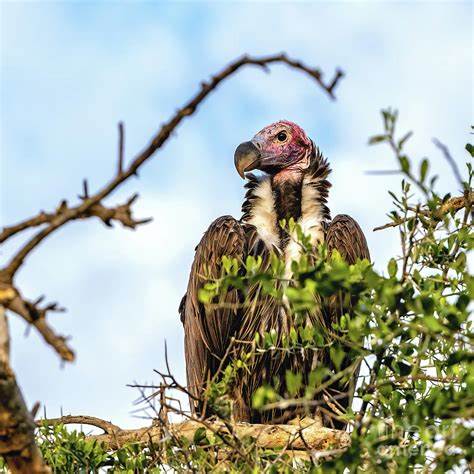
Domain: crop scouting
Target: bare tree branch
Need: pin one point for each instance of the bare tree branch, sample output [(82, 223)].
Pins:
[(91, 205), (107, 426), (35, 315), (157, 142), (121, 213)]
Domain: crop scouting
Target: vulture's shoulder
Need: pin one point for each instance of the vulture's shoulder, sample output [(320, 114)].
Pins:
[(344, 234), (226, 236)]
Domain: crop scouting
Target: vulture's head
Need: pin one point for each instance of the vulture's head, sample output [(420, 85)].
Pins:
[(281, 149)]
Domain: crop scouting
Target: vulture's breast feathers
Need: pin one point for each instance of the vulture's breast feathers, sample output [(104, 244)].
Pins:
[(268, 201)]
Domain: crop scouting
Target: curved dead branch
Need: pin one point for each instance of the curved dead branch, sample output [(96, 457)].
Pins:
[(157, 142), (107, 426)]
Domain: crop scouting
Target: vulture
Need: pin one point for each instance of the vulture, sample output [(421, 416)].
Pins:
[(293, 183)]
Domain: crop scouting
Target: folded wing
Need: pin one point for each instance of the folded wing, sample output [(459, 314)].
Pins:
[(344, 235), (208, 328)]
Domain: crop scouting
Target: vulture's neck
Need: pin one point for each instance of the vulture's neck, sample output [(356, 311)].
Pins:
[(271, 199)]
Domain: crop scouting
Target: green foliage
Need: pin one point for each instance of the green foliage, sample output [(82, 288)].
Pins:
[(67, 451)]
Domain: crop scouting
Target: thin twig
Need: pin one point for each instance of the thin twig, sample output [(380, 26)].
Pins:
[(450, 160), (120, 148)]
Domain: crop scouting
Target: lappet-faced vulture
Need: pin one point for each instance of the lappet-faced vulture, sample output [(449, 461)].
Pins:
[(294, 184)]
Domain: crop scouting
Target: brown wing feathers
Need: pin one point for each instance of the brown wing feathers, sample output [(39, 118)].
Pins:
[(344, 235), (207, 329)]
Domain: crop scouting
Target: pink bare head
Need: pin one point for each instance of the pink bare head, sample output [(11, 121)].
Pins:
[(281, 146)]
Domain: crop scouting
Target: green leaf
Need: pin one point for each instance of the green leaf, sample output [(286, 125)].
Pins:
[(226, 263), (404, 163), (200, 436), (424, 169), (293, 336), (262, 396), (392, 268), (432, 324), (470, 149), (377, 139), (337, 354), (293, 382)]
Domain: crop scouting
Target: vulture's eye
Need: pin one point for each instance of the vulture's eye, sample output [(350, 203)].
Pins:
[(282, 136)]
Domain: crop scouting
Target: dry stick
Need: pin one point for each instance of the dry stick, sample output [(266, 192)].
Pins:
[(120, 213), (238, 446), (266, 436), (165, 406), (36, 316), (121, 148), (163, 425), (85, 189), (41, 218), (449, 159)]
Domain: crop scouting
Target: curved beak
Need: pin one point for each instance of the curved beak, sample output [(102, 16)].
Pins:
[(246, 158)]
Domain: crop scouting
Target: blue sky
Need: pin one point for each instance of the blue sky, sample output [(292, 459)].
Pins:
[(71, 71)]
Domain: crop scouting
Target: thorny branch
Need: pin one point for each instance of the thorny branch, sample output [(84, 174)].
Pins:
[(121, 213), (453, 204)]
